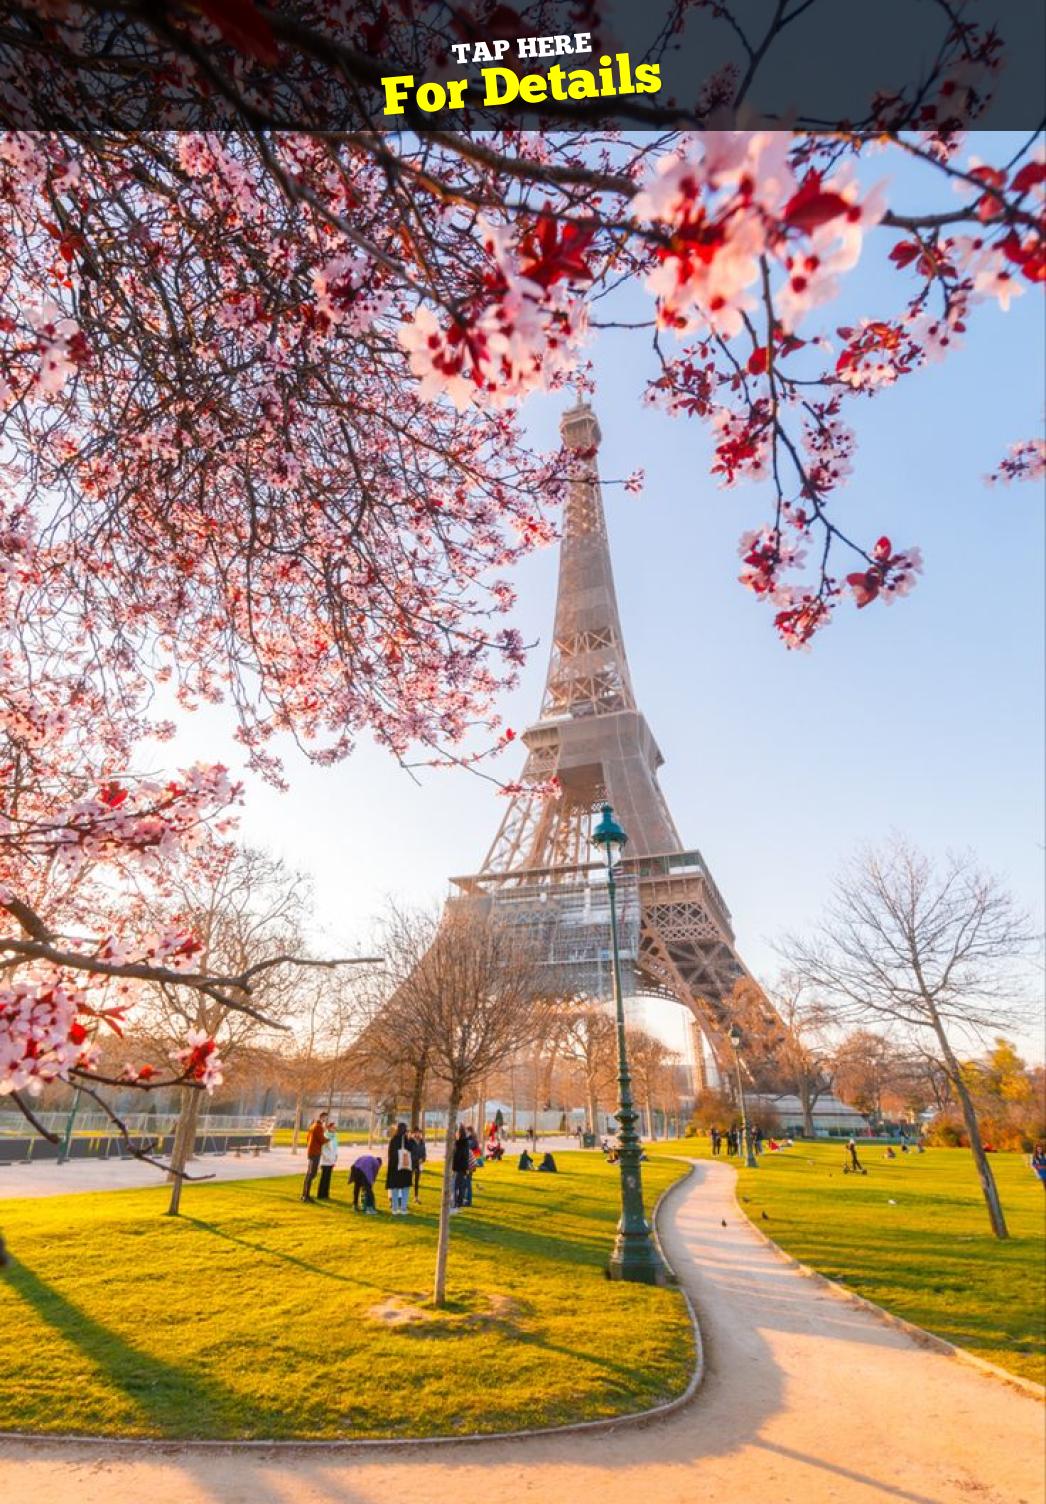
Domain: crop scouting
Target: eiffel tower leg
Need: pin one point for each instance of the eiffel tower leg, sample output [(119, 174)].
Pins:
[(635, 1256)]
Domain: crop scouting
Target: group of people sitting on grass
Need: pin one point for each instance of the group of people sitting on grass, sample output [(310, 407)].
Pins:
[(548, 1164)]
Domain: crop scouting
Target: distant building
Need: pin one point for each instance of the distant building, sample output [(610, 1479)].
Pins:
[(831, 1118)]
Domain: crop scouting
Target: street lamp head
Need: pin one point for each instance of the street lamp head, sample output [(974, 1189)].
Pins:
[(608, 833), (736, 1037)]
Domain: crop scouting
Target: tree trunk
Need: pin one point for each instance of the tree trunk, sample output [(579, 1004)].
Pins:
[(980, 1159), (648, 1109), (807, 1106), (417, 1095), (184, 1142), (593, 1108), (439, 1289), (481, 1112), (299, 1103)]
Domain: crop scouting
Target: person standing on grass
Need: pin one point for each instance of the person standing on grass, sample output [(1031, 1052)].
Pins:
[(399, 1170), (313, 1151), (328, 1159), (362, 1176), (459, 1165), (418, 1155), (716, 1138), (1038, 1162), (851, 1149)]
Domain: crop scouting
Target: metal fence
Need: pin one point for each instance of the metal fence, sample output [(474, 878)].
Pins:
[(94, 1136), (139, 1124)]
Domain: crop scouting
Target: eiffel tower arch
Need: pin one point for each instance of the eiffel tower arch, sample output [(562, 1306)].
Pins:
[(676, 936)]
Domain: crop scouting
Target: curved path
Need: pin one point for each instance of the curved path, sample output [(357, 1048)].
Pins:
[(807, 1398)]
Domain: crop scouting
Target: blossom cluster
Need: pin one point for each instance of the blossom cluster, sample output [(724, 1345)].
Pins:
[(521, 331)]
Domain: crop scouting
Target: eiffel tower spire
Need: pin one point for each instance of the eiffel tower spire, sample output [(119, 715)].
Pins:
[(588, 670), (677, 938)]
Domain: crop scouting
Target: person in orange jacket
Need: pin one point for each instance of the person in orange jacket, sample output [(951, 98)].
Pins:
[(313, 1149)]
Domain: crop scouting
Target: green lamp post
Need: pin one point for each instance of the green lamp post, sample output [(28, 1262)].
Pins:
[(634, 1256), (67, 1137), (746, 1135)]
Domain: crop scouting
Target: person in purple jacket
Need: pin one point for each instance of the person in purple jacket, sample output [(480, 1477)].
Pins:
[(362, 1176)]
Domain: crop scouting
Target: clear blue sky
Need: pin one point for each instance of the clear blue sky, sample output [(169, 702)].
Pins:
[(924, 718)]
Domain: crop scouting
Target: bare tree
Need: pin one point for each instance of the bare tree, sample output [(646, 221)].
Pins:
[(392, 1052), (925, 948), (805, 1054), (651, 1061), (587, 1041), (325, 1012), (866, 1066), (248, 905), (476, 994)]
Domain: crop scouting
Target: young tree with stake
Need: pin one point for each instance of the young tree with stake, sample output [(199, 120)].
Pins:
[(478, 993), (927, 949)]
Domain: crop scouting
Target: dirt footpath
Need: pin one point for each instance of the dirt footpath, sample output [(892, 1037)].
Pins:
[(807, 1398)]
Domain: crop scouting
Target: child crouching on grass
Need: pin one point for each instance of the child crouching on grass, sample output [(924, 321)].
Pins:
[(362, 1176)]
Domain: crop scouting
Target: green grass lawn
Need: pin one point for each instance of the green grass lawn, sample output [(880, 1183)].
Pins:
[(913, 1236), (255, 1316)]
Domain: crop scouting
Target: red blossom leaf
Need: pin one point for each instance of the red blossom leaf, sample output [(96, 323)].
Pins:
[(865, 586), (554, 251), (904, 251), (243, 27), (1030, 176), (812, 207), (757, 361)]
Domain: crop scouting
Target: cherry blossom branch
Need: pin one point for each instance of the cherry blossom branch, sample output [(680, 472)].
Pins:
[(31, 1118), (144, 1154)]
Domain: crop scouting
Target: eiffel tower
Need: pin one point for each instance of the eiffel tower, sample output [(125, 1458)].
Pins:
[(675, 935)]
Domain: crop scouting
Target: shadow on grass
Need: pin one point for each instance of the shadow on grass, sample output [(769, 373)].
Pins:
[(171, 1400), (286, 1258)]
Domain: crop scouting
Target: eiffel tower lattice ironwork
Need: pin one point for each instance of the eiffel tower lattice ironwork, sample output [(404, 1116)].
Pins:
[(675, 933)]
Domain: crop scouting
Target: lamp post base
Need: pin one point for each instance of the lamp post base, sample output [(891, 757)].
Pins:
[(635, 1258)]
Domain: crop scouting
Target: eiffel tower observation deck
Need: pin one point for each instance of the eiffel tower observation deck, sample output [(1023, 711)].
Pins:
[(675, 934)]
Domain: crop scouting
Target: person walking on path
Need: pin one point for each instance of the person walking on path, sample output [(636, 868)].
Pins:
[(717, 1138), (328, 1159), (364, 1173), (461, 1159), (399, 1170), (418, 1155), (313, 1152)]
